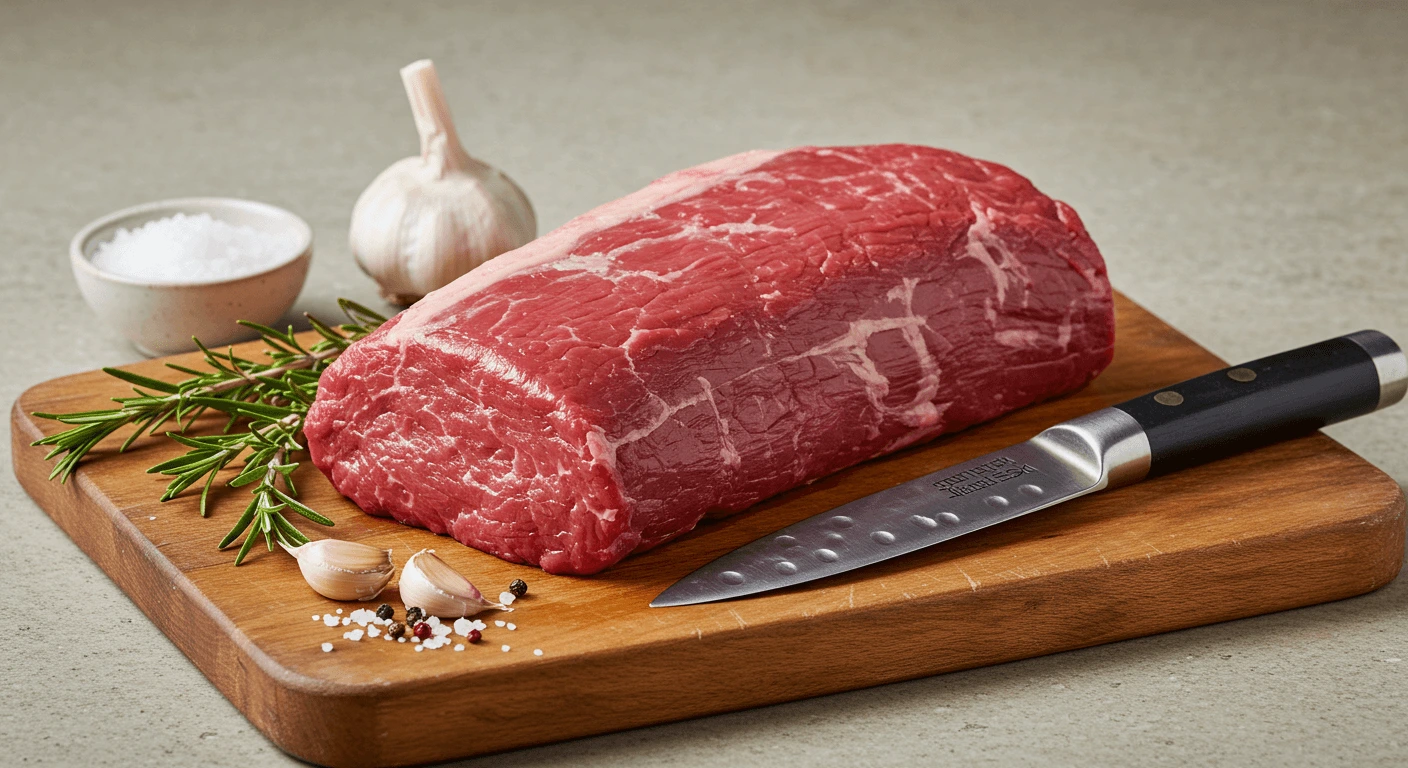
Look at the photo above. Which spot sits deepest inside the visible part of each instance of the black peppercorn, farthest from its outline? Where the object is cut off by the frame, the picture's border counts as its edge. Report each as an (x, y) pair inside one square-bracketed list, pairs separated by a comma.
[(518, 587), (414, 616), (385, 612), (396, 629)]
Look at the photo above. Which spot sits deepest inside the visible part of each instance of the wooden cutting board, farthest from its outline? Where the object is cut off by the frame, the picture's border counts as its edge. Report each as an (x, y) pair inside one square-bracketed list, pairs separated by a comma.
[(1290, 525)]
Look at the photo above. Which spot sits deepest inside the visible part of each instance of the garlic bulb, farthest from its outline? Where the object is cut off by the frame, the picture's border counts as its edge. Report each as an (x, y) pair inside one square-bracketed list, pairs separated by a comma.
[(343, 570), (427, 220), (439, 590)]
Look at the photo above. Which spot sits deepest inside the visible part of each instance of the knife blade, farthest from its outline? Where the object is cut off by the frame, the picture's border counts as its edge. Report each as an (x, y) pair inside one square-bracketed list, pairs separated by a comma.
[(1198, 420)]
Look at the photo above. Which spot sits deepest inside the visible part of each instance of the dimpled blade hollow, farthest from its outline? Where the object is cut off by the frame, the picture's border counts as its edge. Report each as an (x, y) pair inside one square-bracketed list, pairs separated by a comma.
[(923, 512)]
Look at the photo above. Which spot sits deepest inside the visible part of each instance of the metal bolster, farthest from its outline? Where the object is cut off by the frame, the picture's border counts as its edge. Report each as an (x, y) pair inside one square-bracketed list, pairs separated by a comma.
[(1108, 445), (1390, 363)]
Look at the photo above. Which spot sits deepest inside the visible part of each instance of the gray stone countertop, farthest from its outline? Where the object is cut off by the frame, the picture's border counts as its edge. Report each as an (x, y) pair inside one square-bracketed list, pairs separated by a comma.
[(1243, 166)]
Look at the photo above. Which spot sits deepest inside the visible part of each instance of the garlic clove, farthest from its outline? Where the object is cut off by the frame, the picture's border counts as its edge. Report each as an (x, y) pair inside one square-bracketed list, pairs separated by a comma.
[(431, 584), (343, 570), (427, 220)]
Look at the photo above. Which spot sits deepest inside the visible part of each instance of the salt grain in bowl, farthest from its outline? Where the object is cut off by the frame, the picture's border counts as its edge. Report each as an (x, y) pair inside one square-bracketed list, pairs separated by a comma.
[(190, 249)]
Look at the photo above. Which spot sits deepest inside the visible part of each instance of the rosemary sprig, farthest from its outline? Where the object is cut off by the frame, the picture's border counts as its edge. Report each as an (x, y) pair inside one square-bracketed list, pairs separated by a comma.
[(270, 398)]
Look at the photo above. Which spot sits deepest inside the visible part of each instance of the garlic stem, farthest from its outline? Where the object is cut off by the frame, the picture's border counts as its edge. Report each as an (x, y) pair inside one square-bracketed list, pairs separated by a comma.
[(439, 143)]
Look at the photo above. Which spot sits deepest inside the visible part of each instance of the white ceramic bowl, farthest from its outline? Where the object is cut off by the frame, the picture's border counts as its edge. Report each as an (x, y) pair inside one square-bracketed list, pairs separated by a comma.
[(161, 318)]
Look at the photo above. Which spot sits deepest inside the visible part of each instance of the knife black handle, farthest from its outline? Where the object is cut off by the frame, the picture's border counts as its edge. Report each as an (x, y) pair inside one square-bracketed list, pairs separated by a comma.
[(1271, 399)]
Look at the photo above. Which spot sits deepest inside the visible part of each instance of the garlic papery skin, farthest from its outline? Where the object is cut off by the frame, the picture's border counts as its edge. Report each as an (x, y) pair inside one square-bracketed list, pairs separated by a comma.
[(431, 584), (427, 220), (343, 570)]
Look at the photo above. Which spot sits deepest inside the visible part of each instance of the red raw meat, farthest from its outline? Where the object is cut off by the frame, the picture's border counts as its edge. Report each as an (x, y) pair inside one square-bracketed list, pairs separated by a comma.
[(727, 333)]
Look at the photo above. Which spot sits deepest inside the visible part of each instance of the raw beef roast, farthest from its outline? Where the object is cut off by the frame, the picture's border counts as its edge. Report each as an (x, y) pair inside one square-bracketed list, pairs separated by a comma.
[(727, 333)]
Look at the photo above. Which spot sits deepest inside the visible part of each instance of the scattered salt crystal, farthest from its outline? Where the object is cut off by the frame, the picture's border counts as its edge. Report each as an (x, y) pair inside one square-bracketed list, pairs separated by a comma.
[(462, 627), (316, 617), (504, 649), (329, 620), (399, 639), (506, 598), (419, 648), (440, 631), (355, 635), (181, 249), (415, 639), (327, 647), (346, 620), (537, 651), (433, 621), (339, 611), (362, 616), (153, 517), (511, 626), (459, 647), (498, 622), (480, 625), (373, 631), (388, 638)]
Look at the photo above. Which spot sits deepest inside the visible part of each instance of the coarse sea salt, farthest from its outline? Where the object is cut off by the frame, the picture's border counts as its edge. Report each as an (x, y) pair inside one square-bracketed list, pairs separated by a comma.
[(537, 651), (330, 620), (511, 626), (185, 249), (327, 647), (507, 598), (355, 635), (498, 622), (504, 648)]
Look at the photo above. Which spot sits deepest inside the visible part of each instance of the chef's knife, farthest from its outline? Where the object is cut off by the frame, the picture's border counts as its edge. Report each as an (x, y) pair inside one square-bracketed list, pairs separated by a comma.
[(1211, 416)]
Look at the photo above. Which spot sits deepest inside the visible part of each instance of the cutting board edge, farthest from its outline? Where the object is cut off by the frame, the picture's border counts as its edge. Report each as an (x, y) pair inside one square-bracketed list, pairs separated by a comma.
[(32, 474), (199, 629)]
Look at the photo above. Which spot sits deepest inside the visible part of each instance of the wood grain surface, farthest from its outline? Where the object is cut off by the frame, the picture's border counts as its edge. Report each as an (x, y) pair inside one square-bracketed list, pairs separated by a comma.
[(1294, 524)]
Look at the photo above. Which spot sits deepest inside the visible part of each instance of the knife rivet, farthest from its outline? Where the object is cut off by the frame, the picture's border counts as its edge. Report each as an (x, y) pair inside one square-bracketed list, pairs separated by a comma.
[(883, 537), (1168, 397), (996, 501), (785, 568), (826, 555), (1241, 374), (948, 517), (841, 521), (731, 577), (1030, 490), (924, 522), (785, 541)]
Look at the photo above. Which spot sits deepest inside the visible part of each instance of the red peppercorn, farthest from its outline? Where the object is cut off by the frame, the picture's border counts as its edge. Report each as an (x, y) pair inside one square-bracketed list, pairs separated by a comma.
[(422, 631), (473, 636)]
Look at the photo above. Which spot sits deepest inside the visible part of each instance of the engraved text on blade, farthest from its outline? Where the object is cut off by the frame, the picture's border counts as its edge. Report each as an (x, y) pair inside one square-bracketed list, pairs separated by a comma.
[(985, 475)]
